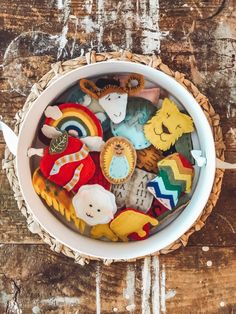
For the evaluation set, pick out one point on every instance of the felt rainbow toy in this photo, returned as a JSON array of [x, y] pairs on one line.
[[76, 119], [174, 178]]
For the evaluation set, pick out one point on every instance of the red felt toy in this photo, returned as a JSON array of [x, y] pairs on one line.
[[67, 163], [135, 237], [98, 177], [157, 209]]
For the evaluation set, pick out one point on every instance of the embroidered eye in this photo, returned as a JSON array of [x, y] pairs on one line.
[[90, 205], [99, 210], [167, 115], [178, 126]]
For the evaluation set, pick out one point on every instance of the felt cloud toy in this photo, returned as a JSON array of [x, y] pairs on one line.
[[94, 204], [111, 96], [168, 124]]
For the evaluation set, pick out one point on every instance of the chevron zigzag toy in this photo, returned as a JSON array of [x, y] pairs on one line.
[[174, 178]]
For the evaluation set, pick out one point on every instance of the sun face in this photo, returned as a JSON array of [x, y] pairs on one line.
[[167, 126]]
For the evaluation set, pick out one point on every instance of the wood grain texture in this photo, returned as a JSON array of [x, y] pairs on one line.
[[51, 283], [194, 37]]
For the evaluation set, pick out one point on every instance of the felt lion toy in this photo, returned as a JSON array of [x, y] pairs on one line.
[[168, 124]]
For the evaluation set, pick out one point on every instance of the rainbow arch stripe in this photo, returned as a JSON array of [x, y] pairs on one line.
[[77, 119]]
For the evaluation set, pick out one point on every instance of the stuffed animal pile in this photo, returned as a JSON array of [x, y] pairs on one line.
[[115, 157]]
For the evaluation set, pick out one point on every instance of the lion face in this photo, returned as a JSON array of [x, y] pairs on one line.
[[167, 126]]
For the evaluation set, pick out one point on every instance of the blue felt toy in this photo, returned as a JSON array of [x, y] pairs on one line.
[[139, 111]]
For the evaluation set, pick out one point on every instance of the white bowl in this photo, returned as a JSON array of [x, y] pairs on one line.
[[110, 250]]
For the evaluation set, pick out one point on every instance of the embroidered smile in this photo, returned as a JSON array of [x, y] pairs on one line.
[[159, 134], [89, 215]]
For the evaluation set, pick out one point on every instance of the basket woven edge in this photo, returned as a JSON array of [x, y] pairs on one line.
[[62, 67]]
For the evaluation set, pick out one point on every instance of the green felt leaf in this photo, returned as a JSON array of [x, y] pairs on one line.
[[58, 144]]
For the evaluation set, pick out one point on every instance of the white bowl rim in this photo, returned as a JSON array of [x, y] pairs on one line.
[[109, 250]]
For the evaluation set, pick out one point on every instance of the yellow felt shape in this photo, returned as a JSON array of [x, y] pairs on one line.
[[168, 124], [118, 160], [57, 198], [104, 230], [131, 221]]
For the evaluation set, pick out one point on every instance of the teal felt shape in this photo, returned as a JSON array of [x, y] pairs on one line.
[[184, 145], [74, 95], [139, 111]]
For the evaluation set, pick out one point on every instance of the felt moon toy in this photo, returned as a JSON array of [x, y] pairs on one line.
[[111, 96], [94, 205], [174, 178], [167, 126], [130, 222], [118, 160], [139, 111], [76, 119], [67, 162]]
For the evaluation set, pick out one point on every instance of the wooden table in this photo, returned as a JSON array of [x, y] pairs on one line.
[[195, 37]]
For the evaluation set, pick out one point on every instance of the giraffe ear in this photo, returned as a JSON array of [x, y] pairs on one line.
[[89, 88], [134, 84]]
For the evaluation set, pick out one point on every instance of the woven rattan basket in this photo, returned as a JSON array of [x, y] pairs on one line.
[[60, 68]]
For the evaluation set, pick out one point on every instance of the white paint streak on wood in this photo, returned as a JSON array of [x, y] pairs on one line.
[[41, 42], [155, 285], [149, 21], [101, 19], [60, 4], [60, 301], [225, 35], [62, 39], [170, 294], [130, 308], [122, 15], [89, 6], [163, 289], [74, 20], [98, 289], [128, 20], [227, 222], [146, 286], [129, 291]]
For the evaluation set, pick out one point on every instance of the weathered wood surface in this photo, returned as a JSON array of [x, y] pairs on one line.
[[195, 37], [188, 281]]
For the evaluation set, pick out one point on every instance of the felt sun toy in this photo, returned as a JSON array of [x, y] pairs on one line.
[[168, 124]]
